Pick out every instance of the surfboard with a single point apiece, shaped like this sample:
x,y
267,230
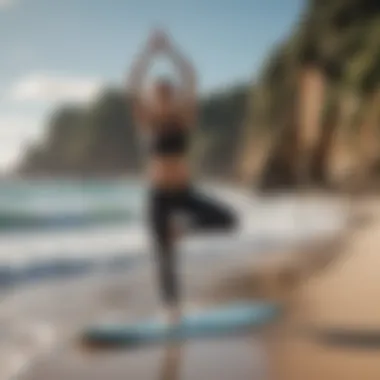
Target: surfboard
x,y
205,323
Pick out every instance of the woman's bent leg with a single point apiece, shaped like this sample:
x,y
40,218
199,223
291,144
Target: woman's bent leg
x,y
208,214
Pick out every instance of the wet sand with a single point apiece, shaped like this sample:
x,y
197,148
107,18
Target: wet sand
x,y
342,294
72,305
225,359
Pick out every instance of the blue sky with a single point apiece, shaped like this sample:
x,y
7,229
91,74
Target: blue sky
x,y
64,50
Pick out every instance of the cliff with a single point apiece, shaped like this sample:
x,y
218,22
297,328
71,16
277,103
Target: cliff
x,y
101,139
315,107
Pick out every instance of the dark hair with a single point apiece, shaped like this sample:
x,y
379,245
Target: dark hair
x,y
164,84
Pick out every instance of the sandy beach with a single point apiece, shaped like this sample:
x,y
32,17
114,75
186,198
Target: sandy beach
x,y
129,297
345,296
337,286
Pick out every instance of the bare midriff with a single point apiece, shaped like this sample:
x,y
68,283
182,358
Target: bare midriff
x,y
169,172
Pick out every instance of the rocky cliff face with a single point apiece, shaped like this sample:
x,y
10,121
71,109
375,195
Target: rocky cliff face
x,y
316,100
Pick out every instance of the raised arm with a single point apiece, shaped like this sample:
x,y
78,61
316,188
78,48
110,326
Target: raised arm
x,y
156,44
188,86
135,81
186,72
138,73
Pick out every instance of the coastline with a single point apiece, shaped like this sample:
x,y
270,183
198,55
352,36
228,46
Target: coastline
x,y
121,296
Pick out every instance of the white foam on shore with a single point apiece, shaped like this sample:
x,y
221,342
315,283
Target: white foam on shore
x,y
286,218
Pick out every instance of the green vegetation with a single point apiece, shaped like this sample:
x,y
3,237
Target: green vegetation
x,y
340,39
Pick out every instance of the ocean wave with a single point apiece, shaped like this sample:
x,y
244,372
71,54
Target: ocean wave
x,y
56,268
76,234
18,221
60,205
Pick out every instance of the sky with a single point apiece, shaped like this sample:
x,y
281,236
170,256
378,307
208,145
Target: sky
x,y
55,51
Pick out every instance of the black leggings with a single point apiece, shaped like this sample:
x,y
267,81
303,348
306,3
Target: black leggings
x,y
205,215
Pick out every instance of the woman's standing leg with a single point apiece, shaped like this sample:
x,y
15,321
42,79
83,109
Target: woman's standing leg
x,y
161,213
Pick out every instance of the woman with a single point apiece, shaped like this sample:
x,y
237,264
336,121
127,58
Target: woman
x,y
167,113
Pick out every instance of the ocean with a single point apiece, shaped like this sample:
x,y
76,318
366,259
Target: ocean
x,y
65,244
63,228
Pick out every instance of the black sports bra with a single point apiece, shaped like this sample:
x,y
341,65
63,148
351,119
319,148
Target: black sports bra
x,y
170,139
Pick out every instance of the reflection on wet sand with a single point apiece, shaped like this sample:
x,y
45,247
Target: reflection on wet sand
x,y
171,364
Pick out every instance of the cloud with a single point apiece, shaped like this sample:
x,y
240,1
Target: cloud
x,y
15,132
6,3
16,127
55,88
9,157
